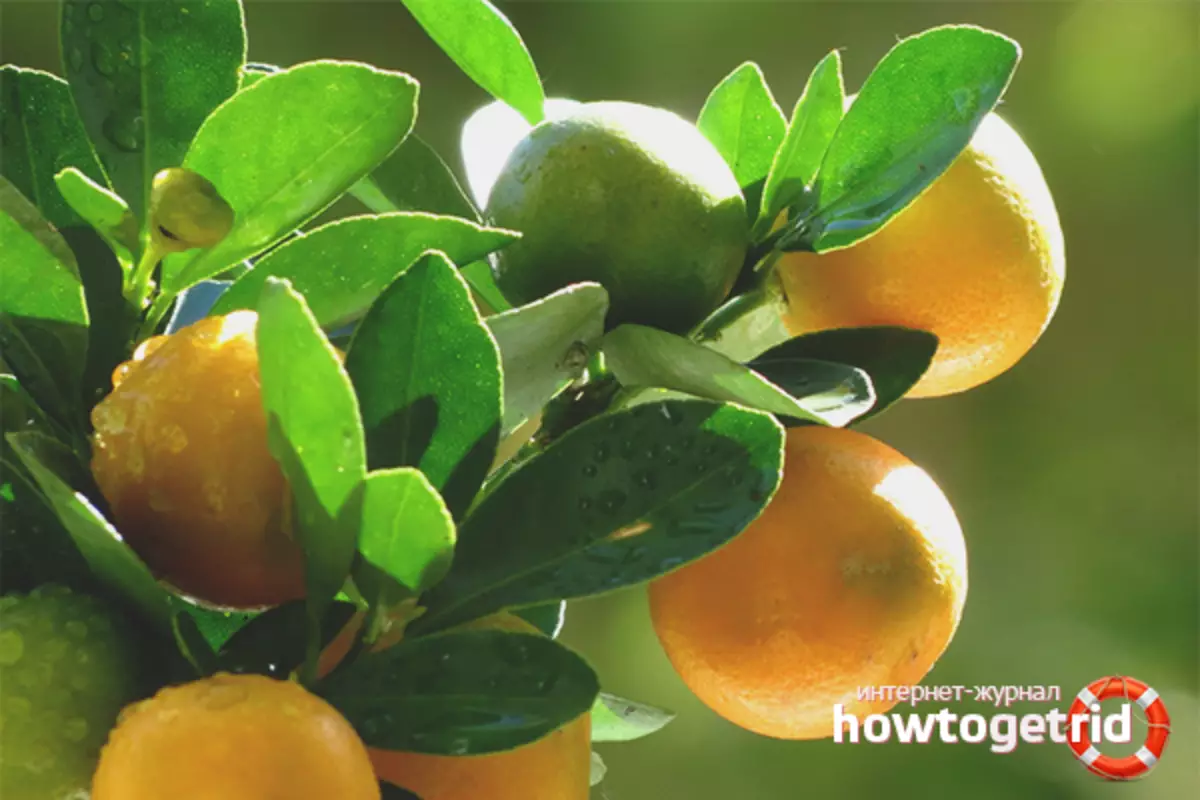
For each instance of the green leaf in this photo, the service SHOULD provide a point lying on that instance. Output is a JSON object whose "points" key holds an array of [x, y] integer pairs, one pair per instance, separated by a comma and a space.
{"points": [[427, 374], [406, 529], [744, 123], [330, 124], [275, 642], [251, 74], [42, 135], [111, 560], [647, 357], [916, 112], [342, 267], [145, 74], [485, 45], [314, 433], [102, 209], [414, 178], [597, 771], [43, 315], [215, 626], [546, 617], [546, 345], [615, 719], [390, 791], [894, 358], [463, 693], [814, 121], [478, 275], [618, 500]]}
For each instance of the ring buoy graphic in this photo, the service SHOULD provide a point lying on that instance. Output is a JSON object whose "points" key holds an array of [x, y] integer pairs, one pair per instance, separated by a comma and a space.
{"points": [[1157, 721]]}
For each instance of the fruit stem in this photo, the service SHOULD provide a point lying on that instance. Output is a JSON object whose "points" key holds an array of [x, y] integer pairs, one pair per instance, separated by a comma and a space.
{"points": [[158, 310]]}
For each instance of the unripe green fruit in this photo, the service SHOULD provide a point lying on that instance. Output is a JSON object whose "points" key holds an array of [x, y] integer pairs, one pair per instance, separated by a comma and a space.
{"points": [[630, 196], [187, 211], [67, 667]]}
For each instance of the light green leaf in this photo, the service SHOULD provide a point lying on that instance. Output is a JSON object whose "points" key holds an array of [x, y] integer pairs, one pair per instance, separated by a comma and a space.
{"points": [[414, 178], [407, 532], [315, 434], [145, 74], [486, 47], [914, 115], [814, 121], [744, 123], [330, 124], [615, 719], [546, 345], [342, 267], [42, 135], [101, 208]]}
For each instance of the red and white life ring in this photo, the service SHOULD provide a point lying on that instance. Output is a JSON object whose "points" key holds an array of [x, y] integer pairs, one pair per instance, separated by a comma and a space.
{"points": [[1157, 720]]}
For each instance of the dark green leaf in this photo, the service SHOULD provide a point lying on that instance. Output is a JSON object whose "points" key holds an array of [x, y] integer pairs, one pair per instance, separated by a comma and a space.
{"points": [[414, 178], [748, 323], [407, 532], [546, 617], [339, 121], [389, 791], [427, 373], [478, 274], [647, 357], [42, 135], [314, 432], [916, 112], [546, 345], [102, 209], [615, 719], [463, 693], [618, 500], [43, 316], [744, 123], [814, 121], [894, 358], [485, 45], [215, 626], [111, 561], [145, 74], [276, 641], [342, 267]]}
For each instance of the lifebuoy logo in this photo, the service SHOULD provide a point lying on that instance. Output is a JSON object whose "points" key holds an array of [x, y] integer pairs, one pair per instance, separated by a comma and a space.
{"points": [[1083, 728]]}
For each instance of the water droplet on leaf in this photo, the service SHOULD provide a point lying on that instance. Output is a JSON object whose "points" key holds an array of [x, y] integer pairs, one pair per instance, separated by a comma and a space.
{"points": [[126, 132], [75, 59], [96, 12], [103, 59]]}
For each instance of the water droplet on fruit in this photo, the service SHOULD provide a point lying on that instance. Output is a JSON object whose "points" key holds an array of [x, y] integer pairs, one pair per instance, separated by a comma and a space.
{"points": [[76, 629], [220, 696], [75, 729], [96, 12], [75, 59], [12, 647], [103, 59], [125, 131], [589, 470]]}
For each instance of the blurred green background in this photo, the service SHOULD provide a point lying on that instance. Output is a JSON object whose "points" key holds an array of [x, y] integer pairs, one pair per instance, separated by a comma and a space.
{"points": [[1076, 475]]}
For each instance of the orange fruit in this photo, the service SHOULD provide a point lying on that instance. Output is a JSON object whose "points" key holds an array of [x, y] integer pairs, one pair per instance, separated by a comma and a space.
{"points": [[180, 454], [853, 576], [556, 767], [234, 737], [977, 259]]}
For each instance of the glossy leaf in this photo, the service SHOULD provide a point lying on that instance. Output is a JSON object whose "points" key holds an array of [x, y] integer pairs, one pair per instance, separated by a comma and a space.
{"points": [[275, 642], [486, 46], [342, 267], [43, 314], [42, 135], [546, 617], [894, 358], [111, 560], [145, 75], [478, 275], [414, 178], [314, 432], [744, 123], [407, 532], [316, 151], [427, 374], [101, 208], [545, 345], [463, 693], [914, 115], [618, 500], [647, 357], [615, 719], [814, 121]]}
